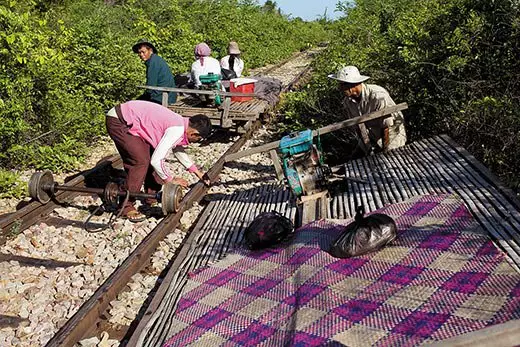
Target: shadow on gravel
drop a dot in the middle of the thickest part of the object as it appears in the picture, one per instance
(248, 167)
(220, 136)
(244, 181)
(253, 195)
(11, 321)
(35, 262)
(63, 222)
(22, 204)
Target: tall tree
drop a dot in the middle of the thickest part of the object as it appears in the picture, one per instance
(270, 6)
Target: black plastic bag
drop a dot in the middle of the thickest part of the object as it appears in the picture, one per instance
(267, 229)
(227, 74)
(364, 235)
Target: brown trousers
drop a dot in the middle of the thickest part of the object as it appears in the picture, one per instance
(136, 154)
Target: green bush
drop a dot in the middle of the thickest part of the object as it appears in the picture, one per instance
(62, 156)
(11, 186)
(454, 62)
(64, 63)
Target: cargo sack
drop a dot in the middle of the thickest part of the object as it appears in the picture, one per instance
(364, 235)
(267, 229)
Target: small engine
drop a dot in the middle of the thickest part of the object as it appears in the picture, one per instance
(211, 82)
(303, 164)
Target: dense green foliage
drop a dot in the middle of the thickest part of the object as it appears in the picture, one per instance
(11, 185)
(455, 62)
(64, 63)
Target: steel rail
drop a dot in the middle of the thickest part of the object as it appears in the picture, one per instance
(294, 83)
(33, 212)
(85, 319)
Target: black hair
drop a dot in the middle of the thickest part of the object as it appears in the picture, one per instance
(143, 42)
(202, 124)
(232, 61)
(147, 45)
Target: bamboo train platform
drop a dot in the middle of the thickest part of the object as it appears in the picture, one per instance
(433, 166)
(229, 114)
(238, 110)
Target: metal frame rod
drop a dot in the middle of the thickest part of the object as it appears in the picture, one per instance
(100, 191)
(385, 112)
(197, 91)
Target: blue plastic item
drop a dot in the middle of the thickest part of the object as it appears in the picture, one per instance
(293, 179)
(295, 143)
(290, 145)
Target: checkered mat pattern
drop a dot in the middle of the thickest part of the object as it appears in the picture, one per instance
(440, 278)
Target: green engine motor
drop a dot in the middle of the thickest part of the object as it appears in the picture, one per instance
(211, 82)
(303, 163)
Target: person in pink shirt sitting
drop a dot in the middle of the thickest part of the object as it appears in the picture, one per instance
(143, 133)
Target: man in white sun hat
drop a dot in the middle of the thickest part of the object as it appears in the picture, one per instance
(359, 99)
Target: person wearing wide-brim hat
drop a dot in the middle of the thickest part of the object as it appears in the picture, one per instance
(361, 98)
(158, 73)
(232, 61)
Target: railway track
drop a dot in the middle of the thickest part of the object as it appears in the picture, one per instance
(35, 211)
(92, 317)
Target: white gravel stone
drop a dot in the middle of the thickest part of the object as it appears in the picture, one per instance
(92, 342)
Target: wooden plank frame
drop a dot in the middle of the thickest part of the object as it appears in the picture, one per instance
(324, 130)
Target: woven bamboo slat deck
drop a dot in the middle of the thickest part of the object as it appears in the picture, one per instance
(219, 228)
(432, 166)
(436, 165)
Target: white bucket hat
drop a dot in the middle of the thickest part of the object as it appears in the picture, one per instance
(349, 74)
(233, 48)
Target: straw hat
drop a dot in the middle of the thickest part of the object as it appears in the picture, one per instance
(349, 74)
(233, 48)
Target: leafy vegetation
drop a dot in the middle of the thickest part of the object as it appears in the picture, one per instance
(10, 185)
(455, 62)
(64, 63)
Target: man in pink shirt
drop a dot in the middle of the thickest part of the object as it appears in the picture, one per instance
(143, 133)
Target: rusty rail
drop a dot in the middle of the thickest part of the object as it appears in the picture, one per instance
(30, 214)
(86, 317)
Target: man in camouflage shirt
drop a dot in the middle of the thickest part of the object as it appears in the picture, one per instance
(359, 99)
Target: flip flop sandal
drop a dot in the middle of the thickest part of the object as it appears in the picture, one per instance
(135, 216)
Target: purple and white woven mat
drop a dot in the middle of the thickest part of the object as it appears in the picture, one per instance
(440, 278)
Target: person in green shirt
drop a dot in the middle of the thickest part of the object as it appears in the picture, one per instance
(158, 72)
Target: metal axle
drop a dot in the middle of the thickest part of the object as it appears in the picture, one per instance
(42, 187)
(53, 188)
